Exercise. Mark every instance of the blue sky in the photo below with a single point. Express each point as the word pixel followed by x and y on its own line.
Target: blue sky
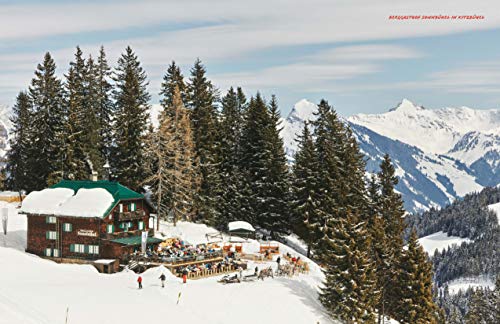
pixel 345 51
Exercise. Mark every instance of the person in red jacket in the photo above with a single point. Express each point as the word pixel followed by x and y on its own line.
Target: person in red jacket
pixel 139 281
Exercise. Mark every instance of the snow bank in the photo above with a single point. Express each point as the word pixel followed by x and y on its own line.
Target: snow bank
pixel 440 241
pixel 46 201
pixel 496 209
pixel 237 225
pixel 64 202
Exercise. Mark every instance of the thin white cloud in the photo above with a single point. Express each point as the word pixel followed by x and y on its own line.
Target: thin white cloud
pixel 368 53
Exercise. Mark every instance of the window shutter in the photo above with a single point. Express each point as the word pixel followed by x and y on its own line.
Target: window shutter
pixel 47 219
pixel 47 235
pixel 72 248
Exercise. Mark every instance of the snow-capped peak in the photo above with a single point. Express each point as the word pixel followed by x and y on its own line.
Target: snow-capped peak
pixel 406 106
pixel 303 110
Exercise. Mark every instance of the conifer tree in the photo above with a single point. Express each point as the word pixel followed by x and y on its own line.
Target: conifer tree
pixel 174 178
pixel 76 127
pixel 46 159
pixel 304 189
pixel 202 101
pixel 131 104
pixel 392 212
pixel 277 217
pixel 173 78
pixel 20 145
pixel 379 245
pixel 349 292
pixel 230 128
pixel 104 104
pixel 416 304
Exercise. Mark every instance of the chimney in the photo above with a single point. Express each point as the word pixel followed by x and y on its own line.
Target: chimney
pixel 93 176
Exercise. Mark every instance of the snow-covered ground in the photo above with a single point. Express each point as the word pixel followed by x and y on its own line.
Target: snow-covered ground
pixel 440 241
pixel 454 286
pixel 34 290
pixel 496 209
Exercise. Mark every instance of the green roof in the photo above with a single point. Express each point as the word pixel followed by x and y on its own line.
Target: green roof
pixel 118 191
pixel 136 240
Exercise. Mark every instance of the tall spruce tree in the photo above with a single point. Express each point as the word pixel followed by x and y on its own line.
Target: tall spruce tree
pixel 104 104
pixel 202 101
pixel 277 217
pixel 304 189
pixel 131 104
pixel 231 123
pixel 379 245
pixel 261 156
pixel 46 158
pixel 75 155
pixel 392 212
pixel 349 292
pixel 20 141
pixel 416 304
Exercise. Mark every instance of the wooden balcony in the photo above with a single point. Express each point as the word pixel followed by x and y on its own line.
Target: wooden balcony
pixel 125 216
pixel 120 234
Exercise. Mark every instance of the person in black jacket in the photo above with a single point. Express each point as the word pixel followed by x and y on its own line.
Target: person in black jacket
pixel 162 278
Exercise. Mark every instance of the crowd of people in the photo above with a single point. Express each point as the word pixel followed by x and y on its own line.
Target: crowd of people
pixel 179 250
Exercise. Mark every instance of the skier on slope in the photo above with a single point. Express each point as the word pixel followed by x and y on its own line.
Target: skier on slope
pixel 162 278
pixel 139 281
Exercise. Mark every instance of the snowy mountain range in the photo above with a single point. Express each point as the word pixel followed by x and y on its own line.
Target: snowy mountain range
pixel 439 154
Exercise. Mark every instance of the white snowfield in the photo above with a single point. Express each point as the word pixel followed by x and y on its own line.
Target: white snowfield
pixel 454 286
pixel 440 241
pixel 496 209
pixel 34 290
pixel 63 201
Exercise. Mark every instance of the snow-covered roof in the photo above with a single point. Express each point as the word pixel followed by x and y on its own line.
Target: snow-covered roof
pixel 240 225
pixel 64 202
pixel 46 201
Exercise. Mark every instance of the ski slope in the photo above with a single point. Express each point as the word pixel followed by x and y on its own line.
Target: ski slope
pixel 39 291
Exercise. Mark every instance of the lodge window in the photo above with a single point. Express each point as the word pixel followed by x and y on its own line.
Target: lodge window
pixel 110 228
pixel 141 225
pixel 67 227
pixel 51 235
pixel 121 208
pixel 52 252
pixel 78 248
pixel 50 219
pixel 93 249
pixel 132 207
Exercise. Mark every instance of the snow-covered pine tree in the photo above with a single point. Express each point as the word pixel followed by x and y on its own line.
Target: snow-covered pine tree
pixel 104 104
pixel 94 142
pixel 20 141
pixel 379 244
pixel 392 211
pixel 131 104
pixel 76 166
pixel 348 292
pixel 416 304
pixel 202 101
pixel 277 216
pixel 304 189
pixel 174 178
pixel 46 159
pixel 171 79
pixel 230 128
